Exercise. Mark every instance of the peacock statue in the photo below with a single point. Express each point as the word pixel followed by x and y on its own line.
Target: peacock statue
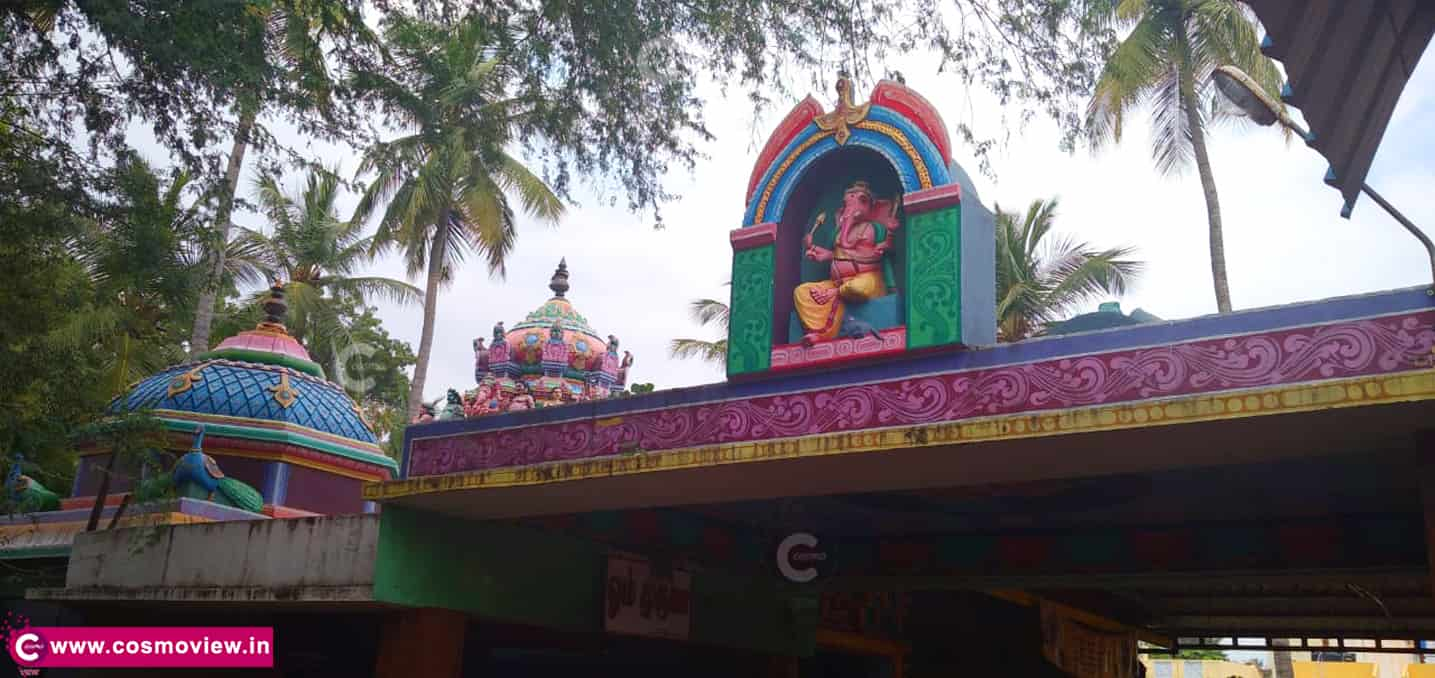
pixel 26 494
pixel 197 475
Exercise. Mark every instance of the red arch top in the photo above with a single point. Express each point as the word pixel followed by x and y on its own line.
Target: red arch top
pixel 889 94
pixel 913 106
pixel 796 119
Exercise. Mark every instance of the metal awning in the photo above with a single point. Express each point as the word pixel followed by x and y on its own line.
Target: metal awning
pixel 1346 63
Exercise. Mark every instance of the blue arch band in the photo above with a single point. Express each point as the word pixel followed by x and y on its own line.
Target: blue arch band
pixel 887 146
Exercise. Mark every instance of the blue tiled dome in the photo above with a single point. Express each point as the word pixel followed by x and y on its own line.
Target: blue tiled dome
pixel 244 390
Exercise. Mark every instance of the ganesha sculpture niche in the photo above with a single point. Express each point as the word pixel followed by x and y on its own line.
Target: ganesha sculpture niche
pixel 864 235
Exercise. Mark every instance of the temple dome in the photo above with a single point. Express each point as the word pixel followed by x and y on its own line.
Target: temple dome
pixel 553 353
pixel 526 339
pixel 262 388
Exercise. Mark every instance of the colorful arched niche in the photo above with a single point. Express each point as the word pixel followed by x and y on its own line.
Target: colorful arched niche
pixel 936 274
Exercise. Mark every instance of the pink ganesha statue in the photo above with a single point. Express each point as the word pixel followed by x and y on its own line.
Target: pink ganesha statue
pixel 865 230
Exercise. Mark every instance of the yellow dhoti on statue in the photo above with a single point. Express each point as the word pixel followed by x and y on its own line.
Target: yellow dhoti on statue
pixel 825 320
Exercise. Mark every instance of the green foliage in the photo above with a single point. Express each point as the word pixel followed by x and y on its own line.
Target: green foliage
pixel 636 389
pixel 98 268
pixel 318 257
pixel 705 312
pixel 609 90
pixel 46 387
pixel 185 68
pixel 1165 63
pixel 1041 277
pixel 615 88
pixel 1216 655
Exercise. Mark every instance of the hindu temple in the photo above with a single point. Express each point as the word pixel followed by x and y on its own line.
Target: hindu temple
pixel 553 357
pixel 877 489
pixel 251 430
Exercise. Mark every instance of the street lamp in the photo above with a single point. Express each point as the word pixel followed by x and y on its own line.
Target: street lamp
pixel 1253 101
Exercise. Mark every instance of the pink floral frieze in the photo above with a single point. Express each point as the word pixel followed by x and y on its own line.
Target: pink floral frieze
pixel 1342 350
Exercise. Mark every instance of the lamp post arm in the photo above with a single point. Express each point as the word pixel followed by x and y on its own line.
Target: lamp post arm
pixel 1419 234
pixel 1389 208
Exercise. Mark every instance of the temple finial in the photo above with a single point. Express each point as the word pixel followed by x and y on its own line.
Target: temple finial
pixel 559 283
pixel 275 307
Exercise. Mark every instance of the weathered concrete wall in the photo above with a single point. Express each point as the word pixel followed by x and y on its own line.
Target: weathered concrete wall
pixel 300 559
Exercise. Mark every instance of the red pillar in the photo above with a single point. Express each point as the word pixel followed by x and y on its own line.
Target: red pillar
pixel 422 642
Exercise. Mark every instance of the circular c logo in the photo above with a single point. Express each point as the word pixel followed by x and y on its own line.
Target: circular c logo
pixel 787 559
pixel 26 647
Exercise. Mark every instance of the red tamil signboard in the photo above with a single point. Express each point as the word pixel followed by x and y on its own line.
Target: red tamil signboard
pixel 640 601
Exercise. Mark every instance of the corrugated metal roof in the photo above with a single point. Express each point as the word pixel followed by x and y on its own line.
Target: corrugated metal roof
pixel 1347 61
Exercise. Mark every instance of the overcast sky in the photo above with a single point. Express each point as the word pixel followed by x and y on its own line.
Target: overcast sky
pixel 1285 240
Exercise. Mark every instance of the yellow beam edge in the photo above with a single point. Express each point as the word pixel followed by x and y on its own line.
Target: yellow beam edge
pixel 1335 394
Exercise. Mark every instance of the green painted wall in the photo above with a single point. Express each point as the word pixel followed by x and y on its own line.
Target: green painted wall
pixel 749 346
pixel 934 290
pixel 553 581
pixel 488 569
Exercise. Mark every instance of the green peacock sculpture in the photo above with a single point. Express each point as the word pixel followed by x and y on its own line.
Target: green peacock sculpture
pixel 197 475
pixel 27 495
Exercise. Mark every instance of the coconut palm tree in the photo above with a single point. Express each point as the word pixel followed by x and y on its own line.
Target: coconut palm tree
pixel 705 312
pixel 446 186
pixel 1041 277
pixel 318 256
pixel 1166 62
pixel 293 60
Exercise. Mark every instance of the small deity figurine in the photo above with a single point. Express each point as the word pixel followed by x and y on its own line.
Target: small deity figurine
pixel 480 359
pixel 555 333
pixel 557 396
pixel 864 235
pixel 453 407
pixel 521 400
pixel 481 403
pixel 623 367
pixel 498 332
pixel 612 344
pixel 425 414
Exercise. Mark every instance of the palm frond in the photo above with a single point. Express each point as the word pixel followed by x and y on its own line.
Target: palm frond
pixel 707 351
pixel 388 289
pixel 709 311
pixel 537 198
pixel 1042 275
pixel 1131 71
pixel 1171 132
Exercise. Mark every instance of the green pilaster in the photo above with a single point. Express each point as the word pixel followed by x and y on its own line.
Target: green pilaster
pixel 749 345
pixel 934 290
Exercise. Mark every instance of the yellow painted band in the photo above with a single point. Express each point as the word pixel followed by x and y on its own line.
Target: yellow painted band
pixel 1355 392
